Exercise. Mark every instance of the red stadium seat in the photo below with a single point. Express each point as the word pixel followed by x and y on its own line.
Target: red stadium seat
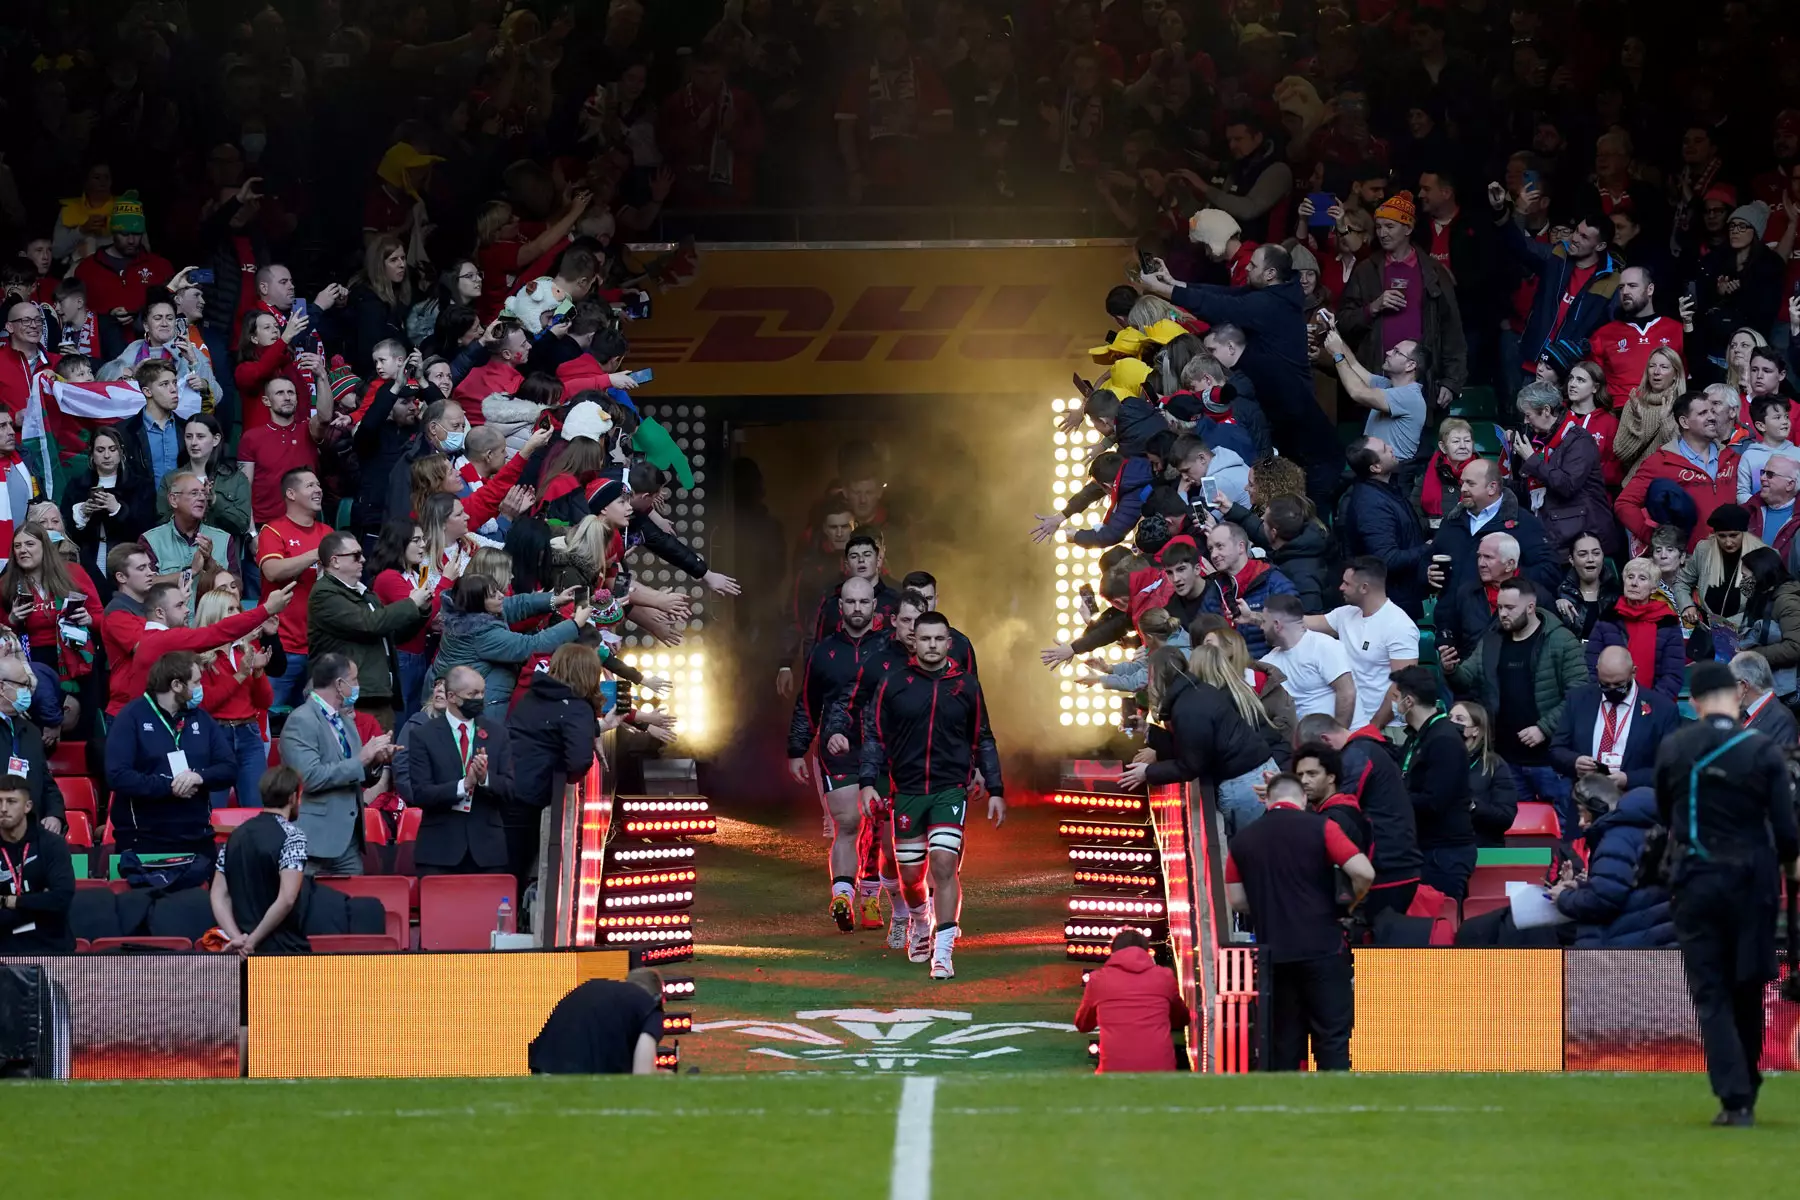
pixel 1447 911
pixel 83 946
pixel 409 824
pixel 395 894
pixel 78 829
pixel 78 792
pixel 68 758
pixel 224 820
pixel 93 884
pixel 457 912
pixel 1536 820
pixel 1475 906
pixel 1489 881
pixel 375 830
pixel 154 943
pixel 352 943
pixel 404 841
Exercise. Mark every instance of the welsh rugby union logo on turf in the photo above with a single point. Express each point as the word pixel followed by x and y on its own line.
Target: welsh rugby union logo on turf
pixel 883 1041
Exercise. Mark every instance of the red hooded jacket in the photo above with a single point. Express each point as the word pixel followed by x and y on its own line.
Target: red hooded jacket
pixel 1135 1004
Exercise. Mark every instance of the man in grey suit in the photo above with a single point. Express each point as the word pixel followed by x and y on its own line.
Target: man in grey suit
pixel 459 772
pixel 1763 709
pixel 320 741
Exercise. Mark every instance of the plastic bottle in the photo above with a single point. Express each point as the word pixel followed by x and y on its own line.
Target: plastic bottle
pixel 503 916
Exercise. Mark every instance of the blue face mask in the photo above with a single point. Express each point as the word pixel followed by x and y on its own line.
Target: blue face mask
pixel 453 441
pixel 354 693
pixel 197 694
pixel 22 698
pixel 56 538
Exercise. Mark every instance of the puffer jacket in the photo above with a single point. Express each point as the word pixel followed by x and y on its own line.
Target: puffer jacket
pixel 485 641
pixel 1308 563
pixel 1610 909
pixel 1375 517
pixel 1493 802
pixel 1671 647
pixel 1570 590
pixel 1207 737
pixel 1558 667
pixel 1775 634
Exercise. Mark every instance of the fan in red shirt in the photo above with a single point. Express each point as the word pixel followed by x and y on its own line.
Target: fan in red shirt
pixel 281 443
pixel 266 351
pixel 506 256
pixel 1136 1005
pixel 287 551
pixel 888 118
pixel 1623 347
pixel 711 135
pixel 119 277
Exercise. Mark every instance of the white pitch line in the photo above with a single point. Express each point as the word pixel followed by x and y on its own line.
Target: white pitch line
pixel 911 1178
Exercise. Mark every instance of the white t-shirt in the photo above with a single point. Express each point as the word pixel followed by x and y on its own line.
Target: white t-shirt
pixel 1316 660
pixel 1371 642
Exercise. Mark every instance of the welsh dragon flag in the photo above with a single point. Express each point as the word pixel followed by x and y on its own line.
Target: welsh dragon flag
pixel 59 421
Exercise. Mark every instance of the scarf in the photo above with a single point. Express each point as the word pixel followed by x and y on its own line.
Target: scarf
pixel 77 212
pixel 1646 422
pixel 1442 478
pixel 1083 121
pixel 1562 430
pixel 720 162
pixel 1638 619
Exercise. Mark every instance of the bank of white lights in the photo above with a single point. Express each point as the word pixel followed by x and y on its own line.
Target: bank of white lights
pixel 1076 565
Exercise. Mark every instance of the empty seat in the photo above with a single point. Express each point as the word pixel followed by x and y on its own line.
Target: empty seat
pixel 352 943
pixel 68 758
pixel 152 943
pixel 409 824
pixel 457 912
pixel 395 894
pixel 375 830
pixel 78 792
pixel 1488 881
pixel 224 820
pixel 1535 820
pixel 78 829
pixel 1475 906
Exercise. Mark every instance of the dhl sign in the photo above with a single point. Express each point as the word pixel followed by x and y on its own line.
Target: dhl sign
pixel 824 320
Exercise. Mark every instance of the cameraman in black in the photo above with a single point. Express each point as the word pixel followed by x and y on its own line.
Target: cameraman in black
pixel 1725 795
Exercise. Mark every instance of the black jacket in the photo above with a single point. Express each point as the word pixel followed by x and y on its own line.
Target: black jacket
pixel 647 533
pixel 434 768
pixel 1437 779
pixel 1493 802
pixel 835 668
pixel 825 619
pixel 1311 567
pixel 1455 538
pixel 1210 740
pixel 1745 816
pixel 19 738
pixel 137 512
pixel 43 858
pixel 1377 518
pixel 366 321
pixel 1374 778
pixel 552 732
pixel 380 445
pixel 928 733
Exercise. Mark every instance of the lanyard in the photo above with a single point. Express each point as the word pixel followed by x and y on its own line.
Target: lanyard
pixel 174 734
pixel 1413 743
pixel 17 872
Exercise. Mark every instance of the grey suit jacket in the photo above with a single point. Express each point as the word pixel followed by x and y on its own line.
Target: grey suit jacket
pixel 331 803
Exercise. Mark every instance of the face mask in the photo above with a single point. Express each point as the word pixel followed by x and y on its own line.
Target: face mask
pixel 254 144
pixel 1614 695
pixel 354 693
pixel 470 707
pixel 56 538
pixel 22 698
pixel 197 694
pixel 453 441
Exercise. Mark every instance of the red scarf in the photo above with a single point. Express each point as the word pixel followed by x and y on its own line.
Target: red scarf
pixel 1240 583
pixel 1556 438
pixel 1442 477
pixel 1639 621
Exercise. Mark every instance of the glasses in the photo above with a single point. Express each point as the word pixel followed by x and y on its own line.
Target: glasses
pixel 189 494
pixel 27 322
pixel 353 555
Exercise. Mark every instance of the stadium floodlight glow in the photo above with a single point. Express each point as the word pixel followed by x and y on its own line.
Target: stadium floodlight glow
pixel 663 806
pixel 1113 856
pixel 652 955
pixel 1128 880
pixel 1087 951
pixel 677 987
pixel 677 1023
pixel 650 879
pixel 640 854
pixel 650 899
pixel 1115 906
pixel 1110 803
pixel 1094 831
pixel 649 827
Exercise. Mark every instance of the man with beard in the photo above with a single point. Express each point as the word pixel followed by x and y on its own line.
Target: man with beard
pixel 1623 346
pixel 925 730
pixel 1240 582
pixel 924 585
pixel 1369 772
pixel 832 667
pixel 864 558
pixel 817 567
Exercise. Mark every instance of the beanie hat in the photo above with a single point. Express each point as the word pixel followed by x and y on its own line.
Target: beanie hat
pixel 1563 355
pixel 605 491
pixel 588 420
pixel 1730 518
pixel 1721 193
pixel 1705 678
pixel 1213 228
pixel 344 382
pixel 1398 207
pixel 128 214
pixel 1304 259
pixel 1754 214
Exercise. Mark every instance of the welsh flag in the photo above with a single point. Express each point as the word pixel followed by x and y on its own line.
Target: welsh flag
pixel 92 403
pixel 60 420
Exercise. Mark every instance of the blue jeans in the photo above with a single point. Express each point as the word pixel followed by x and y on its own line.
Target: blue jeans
pixel 252 756
pixel 1544 784
pixel 290 685
pixel 1238 800
pixel 412 683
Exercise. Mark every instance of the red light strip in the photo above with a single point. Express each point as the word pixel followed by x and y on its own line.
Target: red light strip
pixel 649 879
pixel 596 817
pixel 1082 800
pixel 1083 829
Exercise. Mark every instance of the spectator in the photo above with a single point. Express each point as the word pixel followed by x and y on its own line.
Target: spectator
pixel 1772 508
pixel 1318 767
pixel 1771 618
pixel 1622 347
pixel 119 276
pixel 1615 905
pixel 185 544
pixel 153 445
pixel 1740 281
pixel 1613 727
pixel 1258 186
pixel 604 1026
pixel 1280 872
pixel 197 389
pixel 1589 588
pixel 278 444
pixel 1403 301
pixel 1221 659
pixel 24 354
pixel 1435 762
pixel 1315 669
pixel 227 487
pixel 321 742
pixel 107 506
pixel 269 351
pixel 1376 521
pixel 1493 801
pixel 711 134
pixel 1522 671
pixel 1713 588
pixel 27 758
pixel 1461 244
pixel 1134 1003
pixel 344 617
pixel 49 604
pixel 397 567
pixel 260 882
pixel 163 754
pixel 1371 772
pixel 1763 711
pixel 1647 421
pixel 39 888
pixel 379 297
pixel 1693 461
pixel 1395 399
pixel 237 690
pixel 287 552
pixel 1489 507
pixel 460 771
pixel 554 729
pixel 477 631
pixel 1440 483
pixel 1240 582
pixel 1590 406
pixel 1769 417
pixel 1576 281
pixel 890 117
pixel 1643 622
pixel 1562 464
pixel 443 428
pixel 1465 617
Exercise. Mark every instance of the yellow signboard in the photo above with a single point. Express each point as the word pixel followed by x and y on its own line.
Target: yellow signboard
pixel 868 319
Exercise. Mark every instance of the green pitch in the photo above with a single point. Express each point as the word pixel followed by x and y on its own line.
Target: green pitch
pixel 831 1135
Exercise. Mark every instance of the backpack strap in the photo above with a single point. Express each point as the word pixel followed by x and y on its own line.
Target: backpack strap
pixel 1706 760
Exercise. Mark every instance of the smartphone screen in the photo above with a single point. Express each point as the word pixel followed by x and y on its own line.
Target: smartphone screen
pixel 582 596
pixel 1209 490
pixel 644 376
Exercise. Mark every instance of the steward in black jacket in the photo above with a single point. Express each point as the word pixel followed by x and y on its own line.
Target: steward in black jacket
pixel 1374 778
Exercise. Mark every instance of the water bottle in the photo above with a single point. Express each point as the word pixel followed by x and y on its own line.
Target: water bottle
pixel 503 916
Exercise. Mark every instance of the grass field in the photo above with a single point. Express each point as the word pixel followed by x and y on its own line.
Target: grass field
pixel 831 1135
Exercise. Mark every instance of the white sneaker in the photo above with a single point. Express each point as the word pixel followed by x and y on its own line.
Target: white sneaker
pixel 919 939
pixel 897 929
pixel 941 966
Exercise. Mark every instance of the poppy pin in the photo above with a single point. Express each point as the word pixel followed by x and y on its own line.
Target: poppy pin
pixel 1512 524
pixel 480 734
pixel 1644 709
